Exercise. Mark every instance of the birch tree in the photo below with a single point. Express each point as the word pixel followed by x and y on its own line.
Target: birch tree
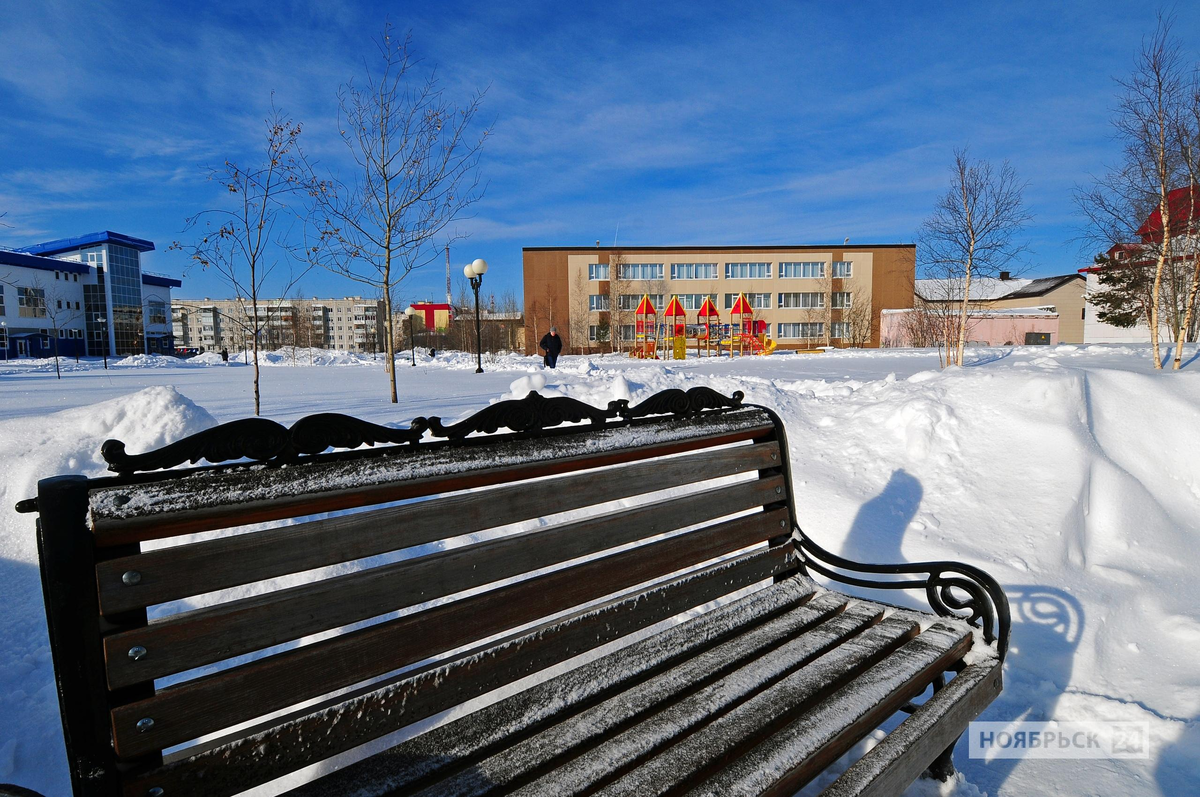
pixel 247 242
pixel 415 171
pixel 1149 115
pixel 1189 148
pixel 971 233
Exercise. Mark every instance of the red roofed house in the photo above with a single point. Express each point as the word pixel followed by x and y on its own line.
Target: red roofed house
pixel 1185 212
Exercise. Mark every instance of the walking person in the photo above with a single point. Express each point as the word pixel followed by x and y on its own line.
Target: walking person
pixel 552 344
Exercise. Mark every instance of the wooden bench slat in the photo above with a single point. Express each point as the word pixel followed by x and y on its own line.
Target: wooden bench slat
pixel 209 704
pixel 415 762
pixel 799 752
pixel 111 530
pixel 890 766
pixel 720 740
pixel 228 766
pixel 229 629
pixel 680 699
pixel 169 574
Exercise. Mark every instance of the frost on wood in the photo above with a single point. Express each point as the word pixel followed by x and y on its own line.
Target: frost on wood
pixel 788 748
pixel 260 482
pixel 463 738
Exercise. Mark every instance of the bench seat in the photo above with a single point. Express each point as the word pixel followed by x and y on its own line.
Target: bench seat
pixel 601 601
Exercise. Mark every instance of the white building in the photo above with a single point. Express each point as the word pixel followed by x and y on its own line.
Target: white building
pixel 84 295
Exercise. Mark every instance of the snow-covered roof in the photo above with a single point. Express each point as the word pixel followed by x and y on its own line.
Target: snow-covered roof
pixel 982 288
pixel 989 288
pixel 995 312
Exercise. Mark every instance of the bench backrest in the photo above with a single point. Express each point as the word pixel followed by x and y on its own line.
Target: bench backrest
pixel 219 626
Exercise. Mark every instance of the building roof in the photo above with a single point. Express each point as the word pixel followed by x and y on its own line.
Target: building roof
pixel 1181 206
pixel 160 281
pixel 1042 286
pixel 715 248
pixel 982 288
pixel 69 244
pixel 10 257
pixel 992 312
pixel 990 289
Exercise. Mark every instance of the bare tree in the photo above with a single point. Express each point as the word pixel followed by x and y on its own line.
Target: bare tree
pixel 580 315
pixel 1188 135
pixel 825 314
pixel 859 317
pixel 1149 115
pixel 246 243
pixel 970 233
pixel 618 314
pixel 48 303
pixel 416 172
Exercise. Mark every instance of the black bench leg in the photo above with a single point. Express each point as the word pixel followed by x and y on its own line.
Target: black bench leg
pixel 942 767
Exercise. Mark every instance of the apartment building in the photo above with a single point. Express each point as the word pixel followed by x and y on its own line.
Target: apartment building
pixel 348 324
pixel 806 295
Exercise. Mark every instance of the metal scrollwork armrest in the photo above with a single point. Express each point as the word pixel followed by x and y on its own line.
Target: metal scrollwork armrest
pixel 982 603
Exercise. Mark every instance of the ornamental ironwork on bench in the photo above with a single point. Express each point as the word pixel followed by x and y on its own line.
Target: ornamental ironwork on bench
pixel 263 440
pixel 952 589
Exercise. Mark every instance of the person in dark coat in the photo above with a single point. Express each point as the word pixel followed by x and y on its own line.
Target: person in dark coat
pixel 552 344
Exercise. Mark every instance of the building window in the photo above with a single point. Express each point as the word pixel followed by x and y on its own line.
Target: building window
pixel 802 330
pixel 693 271
pixel 841 300
pixel 741 271
pixel 1 300
pixel 839 330
pixel 598 333
pixel 157 312
pixel 598 301
pixel 805 270
pixel 31 302
pixel 842 269
pixel 630 301
pixel 597 271
pixel 692 301
pixel 759 301
pixel 801 300
pixel 640 271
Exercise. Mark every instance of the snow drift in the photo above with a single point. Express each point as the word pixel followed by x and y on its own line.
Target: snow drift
pixel 31 748
pixel 1070 474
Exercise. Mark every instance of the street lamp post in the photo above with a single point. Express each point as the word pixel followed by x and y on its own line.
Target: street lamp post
pixel 102 320
pixel 474 272
pixel 411 312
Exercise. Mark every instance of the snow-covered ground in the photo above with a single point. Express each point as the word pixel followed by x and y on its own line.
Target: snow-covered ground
pixel 1071 473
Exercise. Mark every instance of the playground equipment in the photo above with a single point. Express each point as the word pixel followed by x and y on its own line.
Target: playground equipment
pixel 645 330
pixel 676 329
pixel 708 312
pixel 747 333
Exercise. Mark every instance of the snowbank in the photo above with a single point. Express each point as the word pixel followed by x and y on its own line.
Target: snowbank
pixel 1069 473
pixel 31 749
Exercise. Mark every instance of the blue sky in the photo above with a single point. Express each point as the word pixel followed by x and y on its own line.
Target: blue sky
pixel 688 123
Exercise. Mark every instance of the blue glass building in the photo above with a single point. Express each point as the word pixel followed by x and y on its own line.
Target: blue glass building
pixel 84 295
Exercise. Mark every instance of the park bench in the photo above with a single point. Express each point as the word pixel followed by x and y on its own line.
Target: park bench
pixel 544 598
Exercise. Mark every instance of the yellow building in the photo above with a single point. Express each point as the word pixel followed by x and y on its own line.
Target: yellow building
pixel 806 295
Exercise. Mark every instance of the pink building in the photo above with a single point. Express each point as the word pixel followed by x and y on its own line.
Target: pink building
pixel 1014 326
